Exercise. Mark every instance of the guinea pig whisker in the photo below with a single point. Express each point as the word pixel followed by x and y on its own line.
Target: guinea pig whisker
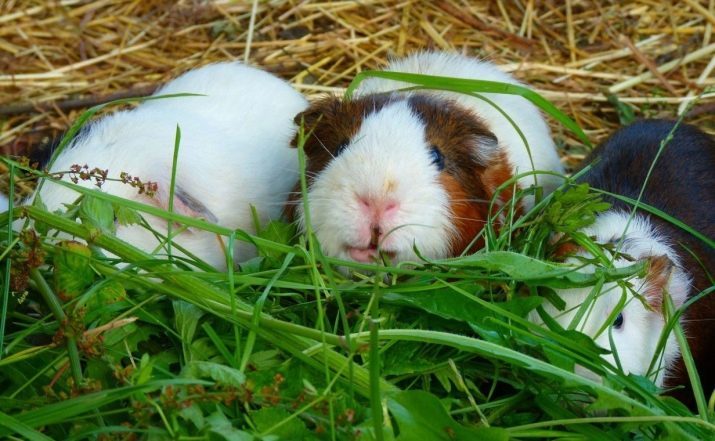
pixel 481 201
pixel 325 148
pixel 471 219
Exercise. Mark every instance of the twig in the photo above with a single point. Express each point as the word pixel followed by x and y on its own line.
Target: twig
pixel 641 57
pixel 702 52
pixel 76 103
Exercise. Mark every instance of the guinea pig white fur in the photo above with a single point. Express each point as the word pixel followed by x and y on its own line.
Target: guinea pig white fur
pixel 638 327
pixel 398 170
pixel 234 153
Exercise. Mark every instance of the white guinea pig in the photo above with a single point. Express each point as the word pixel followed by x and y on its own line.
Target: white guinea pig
pixel 398 170
pixel 637 328
pixel 234 152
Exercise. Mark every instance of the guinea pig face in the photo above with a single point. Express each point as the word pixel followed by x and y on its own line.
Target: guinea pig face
pixel 627 317
pixel 625 320
pixel 390 174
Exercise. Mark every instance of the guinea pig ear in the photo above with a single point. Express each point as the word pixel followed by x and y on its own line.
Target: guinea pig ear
pixel 184 204
pixel 485 148
pixel 661 270
pixel 317 112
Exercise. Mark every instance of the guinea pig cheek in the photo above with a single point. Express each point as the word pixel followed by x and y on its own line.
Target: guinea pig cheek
pixel 468 218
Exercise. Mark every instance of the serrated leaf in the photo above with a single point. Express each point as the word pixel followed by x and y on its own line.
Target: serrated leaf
pixel 110 292
pixel 217 372
pixel 126 215
pixel 279 232
pixel 72 272
pixel 97 213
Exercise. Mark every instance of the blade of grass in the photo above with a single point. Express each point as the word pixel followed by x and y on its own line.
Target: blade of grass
pixel 375 394
pixel 8 262
pixel 687 357
pixel 172 189
pixel 463 85
pixel 20 428
pixel 56 307
pixel 61 411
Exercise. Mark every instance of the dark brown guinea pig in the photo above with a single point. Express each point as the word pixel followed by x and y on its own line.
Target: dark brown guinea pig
pixel 396 171
pixel 682 184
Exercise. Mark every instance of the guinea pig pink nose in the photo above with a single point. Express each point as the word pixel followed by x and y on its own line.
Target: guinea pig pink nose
pixel 377 208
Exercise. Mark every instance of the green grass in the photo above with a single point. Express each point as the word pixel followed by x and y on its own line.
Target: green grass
pixel 287 347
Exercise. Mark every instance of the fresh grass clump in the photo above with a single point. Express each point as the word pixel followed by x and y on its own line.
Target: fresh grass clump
pixel 104 340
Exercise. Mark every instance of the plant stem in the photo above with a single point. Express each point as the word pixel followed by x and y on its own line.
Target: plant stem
pixel 56 307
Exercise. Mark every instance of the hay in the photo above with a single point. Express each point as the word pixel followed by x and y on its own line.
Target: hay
pixel 58 57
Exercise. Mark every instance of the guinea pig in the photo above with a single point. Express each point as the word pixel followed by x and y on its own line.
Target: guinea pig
pixel 234 152
pixel 682 184
pixel 394 170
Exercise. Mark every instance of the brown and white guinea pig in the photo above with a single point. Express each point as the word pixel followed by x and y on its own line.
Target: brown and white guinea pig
pixel 682 185
pixel 234 152
pixel 397 170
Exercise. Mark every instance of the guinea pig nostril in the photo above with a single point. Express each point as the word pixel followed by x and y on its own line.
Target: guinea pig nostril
pixel 363 202
pixel 391 206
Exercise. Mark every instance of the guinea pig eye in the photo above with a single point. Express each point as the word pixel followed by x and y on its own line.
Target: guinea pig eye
pixel 341 147
pixel 618 322
pixel 437 157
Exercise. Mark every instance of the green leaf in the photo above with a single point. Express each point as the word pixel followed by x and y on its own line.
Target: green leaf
pixel 279 232
pixel 97 213
pixel 110 292
pixel 125 215
pixel 275 421
pixel 217 372
pixel 626 115
pixel 221 426
pixel 421 416
pixel 193 413
pixel 443 302
pixel 539 273
pixel 186 319
pixel 21 429
pixel 143 374
pixel 72 272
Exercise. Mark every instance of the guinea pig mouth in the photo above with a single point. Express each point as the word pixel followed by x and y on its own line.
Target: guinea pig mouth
pixel 369 254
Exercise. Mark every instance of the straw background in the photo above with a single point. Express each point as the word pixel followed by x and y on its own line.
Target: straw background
pixel 58 57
